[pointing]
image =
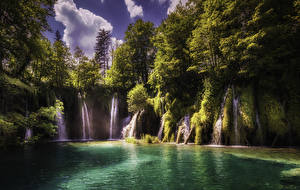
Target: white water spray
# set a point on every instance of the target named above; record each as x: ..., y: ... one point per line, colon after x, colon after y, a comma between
x: 235, y: 119
x: 130, y: 129
x: 160, y: 131
x: 86, y: 127
x: 217, y: 131
x: 28, y: 133
x: 113, y: 116
x: 62, y: 134
x: 187, y: 125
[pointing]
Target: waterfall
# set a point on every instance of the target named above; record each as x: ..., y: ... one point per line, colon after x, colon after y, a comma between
x: 130, y: 129
x: 187, y: 125
x: 86, y: 127
x: 235, y: 119
x: 160, y: 131
x: 87, y: 120
x: 83, y: 123
x: 183, y: 130
x: 260, y: 134
x: 28, y: 133
x: 62, y: 134
x: 217, y: 131
x: 113, y: 116
x: 126, y: 121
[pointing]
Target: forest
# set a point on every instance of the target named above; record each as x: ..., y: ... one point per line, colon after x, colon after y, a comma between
x: 213, y: 72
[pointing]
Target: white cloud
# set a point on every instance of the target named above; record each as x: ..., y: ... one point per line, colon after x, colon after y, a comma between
x: 81, y: 25
x: 115, y: 42
x: 133, y: 9
x: 174, y: 3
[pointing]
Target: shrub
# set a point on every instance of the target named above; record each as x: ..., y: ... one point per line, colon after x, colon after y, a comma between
x: 150, y: 139
x: 131, y: 140
x: 137, y: 98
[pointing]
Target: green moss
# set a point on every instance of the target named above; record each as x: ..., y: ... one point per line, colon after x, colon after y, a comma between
x: 247, y: 109
x: 198, y: 136
x: 169, y: 122
x: 227, y: 123
x: 203, y: 119
x: 157, y: 104
x: 179, y: 135
x: 272, y: 115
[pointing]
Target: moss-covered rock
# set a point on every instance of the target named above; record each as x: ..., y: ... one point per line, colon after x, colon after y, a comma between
x: 227, y: 122
x: 204, y: 119
x: 246, y: 120
x: 272, y: 117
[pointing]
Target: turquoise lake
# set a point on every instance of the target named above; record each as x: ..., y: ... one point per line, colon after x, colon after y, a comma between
x: 118, y: 165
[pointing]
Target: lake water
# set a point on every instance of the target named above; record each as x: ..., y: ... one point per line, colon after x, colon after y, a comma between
x: 118, y: 165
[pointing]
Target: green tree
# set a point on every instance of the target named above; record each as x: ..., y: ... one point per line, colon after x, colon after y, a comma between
x: 87, y: 72
x: 62, y: 61
x: 137, y: 98
x: 21, y: 25
x: 138, y: 37
x: 121, y: 75
x: 102, y: 48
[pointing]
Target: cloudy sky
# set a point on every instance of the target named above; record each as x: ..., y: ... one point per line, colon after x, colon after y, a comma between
x: 79, y: 20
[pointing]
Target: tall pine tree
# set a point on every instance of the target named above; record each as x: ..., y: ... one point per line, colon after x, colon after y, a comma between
x: 102, y: 48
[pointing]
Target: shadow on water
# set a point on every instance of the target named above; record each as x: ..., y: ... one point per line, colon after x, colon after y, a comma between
x: 34, y: 167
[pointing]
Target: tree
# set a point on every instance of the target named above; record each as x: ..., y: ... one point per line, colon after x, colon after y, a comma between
x: 137, y: 98
x: 103, y: 42
x: 21, y: 25
x: 121, y: 75
x: 57, y: 36
x: 87, y: 71
x: 139, y: 39
x: 62, y: 61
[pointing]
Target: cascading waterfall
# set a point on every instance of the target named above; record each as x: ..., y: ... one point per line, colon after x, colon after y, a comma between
x: 62, y: 134
x: 83, y: 123
x: 28, y: 132
x: 130, y: 129
x: 113, y: 116
x: 126, y: 121
x: 187, y: 124
x: 160, y: 131
x: 235, y: 119
x: 87, y: 120
x: 86, y: 127
x: 162, y: 121
x: 217, y: 131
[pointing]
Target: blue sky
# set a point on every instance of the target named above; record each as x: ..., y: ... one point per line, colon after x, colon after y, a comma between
x: 79, y: 20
